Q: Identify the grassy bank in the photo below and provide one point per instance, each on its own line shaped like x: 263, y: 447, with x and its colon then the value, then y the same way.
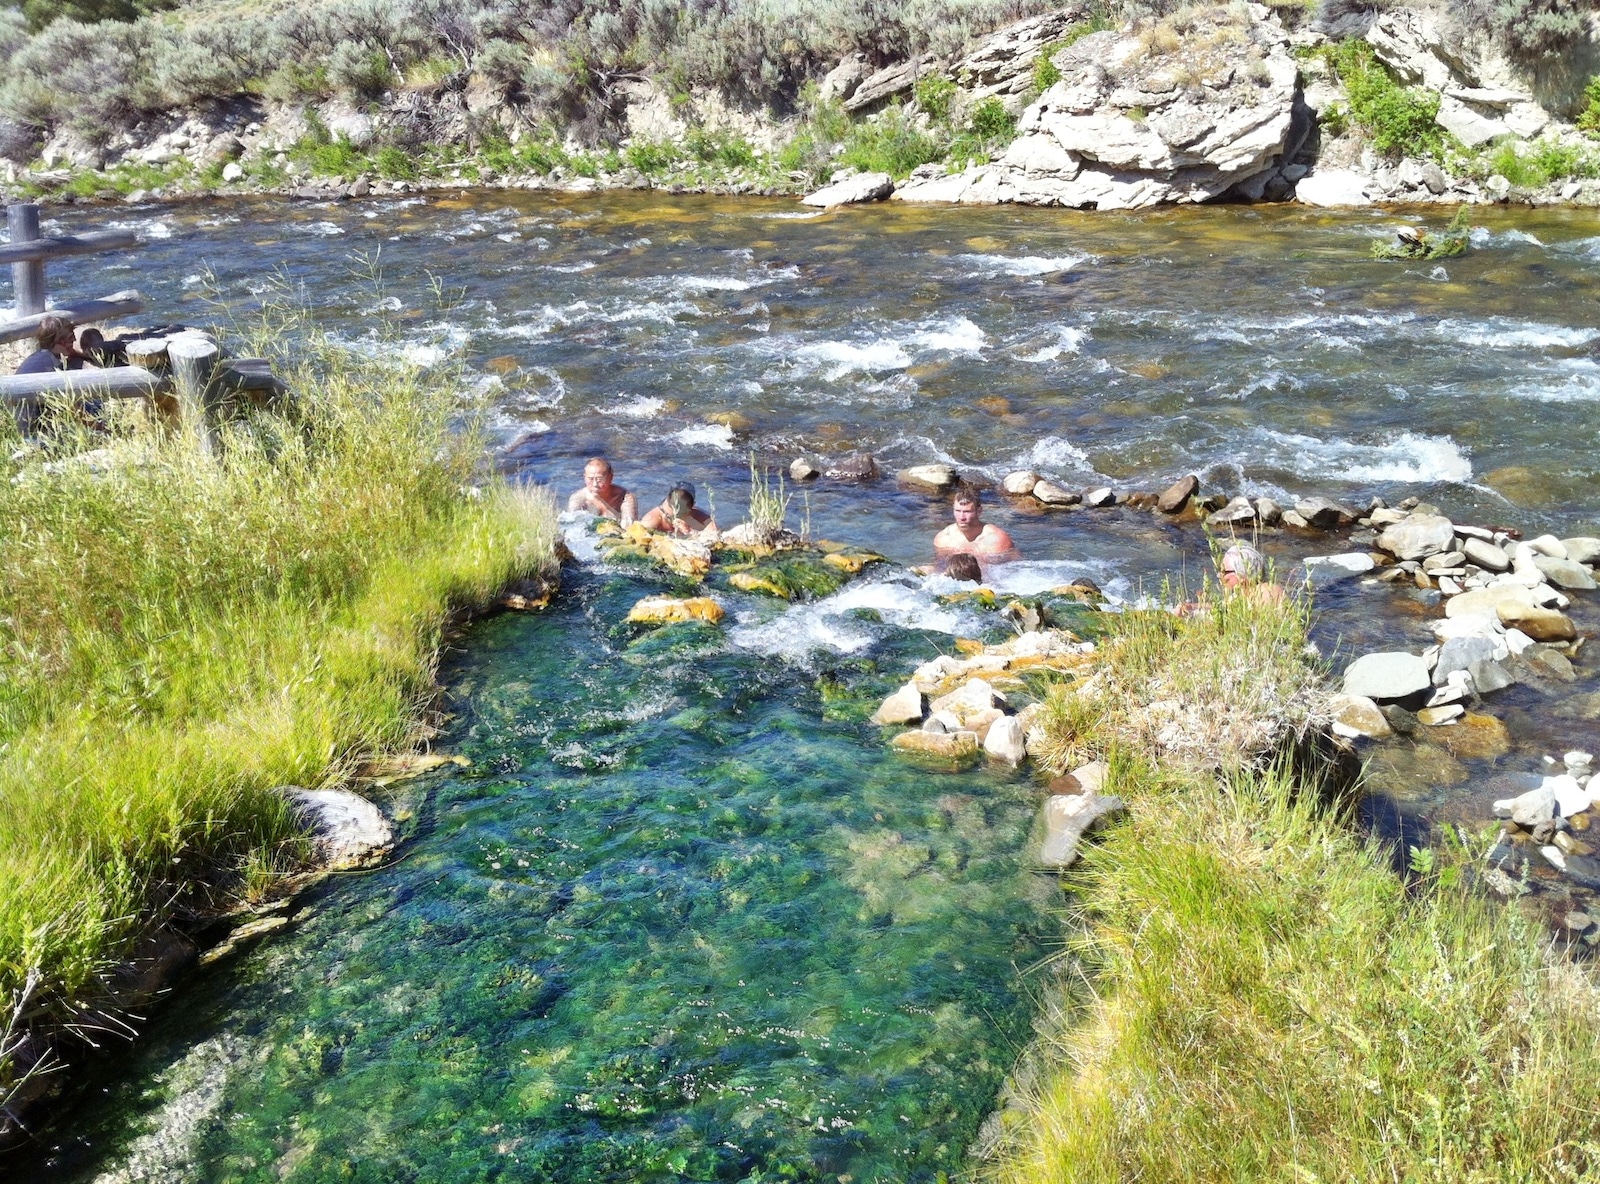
x: 1264, y: 997
x: 178, y: 636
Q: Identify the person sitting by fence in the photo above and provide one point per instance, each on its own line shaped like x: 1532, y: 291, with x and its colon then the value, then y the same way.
x: 56, y: 349
x: 677, y: 514
x: 94, y: 349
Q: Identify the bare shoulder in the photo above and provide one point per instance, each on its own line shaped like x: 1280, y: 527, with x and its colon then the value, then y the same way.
x: 998, y: 538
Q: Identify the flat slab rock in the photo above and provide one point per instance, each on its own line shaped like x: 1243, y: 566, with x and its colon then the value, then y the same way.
x: 1387, y: 677
x: 346, y: 830
x: 861, y: 187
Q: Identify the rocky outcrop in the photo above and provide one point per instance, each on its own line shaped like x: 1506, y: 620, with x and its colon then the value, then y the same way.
x: 1001, y: 65
x: 851, y: 188
x: 1150, y: 115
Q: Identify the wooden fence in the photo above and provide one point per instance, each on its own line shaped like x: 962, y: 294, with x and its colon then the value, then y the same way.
x: 187, y: 364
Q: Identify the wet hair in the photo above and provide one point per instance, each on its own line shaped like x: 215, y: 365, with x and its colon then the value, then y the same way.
x: 966, y: 495
x: 963, y: 566
x: 597, y: 460
x: 1243, y: 560
x: 680, y: 501
x: 50, y: 328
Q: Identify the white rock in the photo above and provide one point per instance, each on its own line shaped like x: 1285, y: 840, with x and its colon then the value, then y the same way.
x: 1531, y: 808
x: 1005, y: 740
x: 1554, y: 856
x: 1467, y: 124
x: 1021, y: 483
x: 1066, y: 818
x: 902, y: 707
x: 1547, y: 544
x: 346, y: 830
x: 862, y: 187
x: 232, y: 171
x: 1578, y: 760
x: 1333, y: 187
x: 1517, y: 641
x: 1569, y: 795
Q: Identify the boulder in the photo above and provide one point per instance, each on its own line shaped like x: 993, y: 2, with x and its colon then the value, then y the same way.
x: 347, y: 831
x: 1324, y: 513
x: 1564, y: 573
x: 232, y: 172
x: 969, y: 700
x: 1485, y: 555
x: 1490, y: 600
x: 1584, y: 549
x: 1333, y: 187
x: 1239, y: 509
x: 1178, y: 494
x: 1005, y: 740
x: 857, y: 466
x: 1327, y: 569
x: 956, y: 749
x: 902, y: 707
x: 1120, y: 131
x: 1541, y: 624
x: 1066, y: 818
x: 1097, y: 498
x: 1529, y: 809
x: 800, y: 469
x: 895, y: 79
x: 1387, y: 676
x: 861, y: 187
x: 1357, y: 715
x: 1459, y: 653
x: 935, y: 478
x: 1268, y: 511
x: 1052, y: 494
x: 1418, y: 536
x: 1489, y: 675
x: 669, y: 610
x: 842, y: 82
x: 1020, y: 484
x: 1434, y: 717
x: 1548, y: 545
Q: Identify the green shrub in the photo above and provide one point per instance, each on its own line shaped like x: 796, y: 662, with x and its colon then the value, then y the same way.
x: 1045, y: 73
x: 1536, y: 165
x: 934, y: 94
x: 890, y: 144
x: 991, y: 121
x: 1399, y: 121
x: 360, y: 71
x: 394, y: 164
x: 651, y: 157
x: 720, y: 148
x: 1589, y: 117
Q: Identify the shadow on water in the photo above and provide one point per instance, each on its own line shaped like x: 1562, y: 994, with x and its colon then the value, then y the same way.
x: 682, y: 918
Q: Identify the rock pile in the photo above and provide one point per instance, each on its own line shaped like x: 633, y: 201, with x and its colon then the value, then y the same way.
x: 1549, y: 822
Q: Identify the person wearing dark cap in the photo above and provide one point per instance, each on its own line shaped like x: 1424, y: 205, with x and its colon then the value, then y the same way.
x: 677, y: 514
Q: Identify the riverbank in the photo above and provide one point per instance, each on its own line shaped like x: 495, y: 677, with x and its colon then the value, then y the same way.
x: 1088, y: 106
x: 1252, y: 987
x: 183, y: 637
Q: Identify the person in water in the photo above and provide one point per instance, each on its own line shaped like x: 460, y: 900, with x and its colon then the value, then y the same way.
x: 677, y: 514
x: 970, y: 534
x: 963, y: 566
x: 1242, y: 571
x: 601, y: 496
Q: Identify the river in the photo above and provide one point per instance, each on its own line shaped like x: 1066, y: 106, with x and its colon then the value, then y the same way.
x: 681, y: 917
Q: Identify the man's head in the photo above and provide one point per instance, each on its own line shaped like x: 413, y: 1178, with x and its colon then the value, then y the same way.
x: 963, y: 566
x: 966, y: 508
x: 1241, y: 564
x: 597, y: 475
x: 680, y: 501
x: 54, y: 334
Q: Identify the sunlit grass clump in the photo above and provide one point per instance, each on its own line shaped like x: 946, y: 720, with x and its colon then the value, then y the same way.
x: 180, y: 635
x: 1265, y: 998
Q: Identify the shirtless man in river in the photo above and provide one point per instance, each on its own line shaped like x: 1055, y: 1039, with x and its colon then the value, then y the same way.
x: 600, y: 497
x: 971, y: 535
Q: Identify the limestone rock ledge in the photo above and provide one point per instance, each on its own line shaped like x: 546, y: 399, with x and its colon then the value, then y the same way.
x: 1140, y: 118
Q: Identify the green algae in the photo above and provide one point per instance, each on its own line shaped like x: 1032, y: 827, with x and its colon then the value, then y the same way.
x: 683, y: 918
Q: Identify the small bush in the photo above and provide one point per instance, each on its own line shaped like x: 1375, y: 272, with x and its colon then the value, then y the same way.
x: 1535, y: 166
x: 891, y: 144
x: 991, y: 121
x: 1400, y: 121
x: 934, y: 94
x: 1589, y: 117
x: 360, y: 71
x: 650, y: 157
x: 393, y: 164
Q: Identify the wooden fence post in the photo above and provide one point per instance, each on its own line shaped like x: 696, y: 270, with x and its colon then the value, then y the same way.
x: 27, y: 277
x: 193, y: 360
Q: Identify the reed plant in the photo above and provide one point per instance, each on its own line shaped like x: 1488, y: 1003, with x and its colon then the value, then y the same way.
x: 180, y: 635
x: 1260, y: 994
x: 769, y: 505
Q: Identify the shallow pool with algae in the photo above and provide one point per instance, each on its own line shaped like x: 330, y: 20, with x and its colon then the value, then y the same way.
x: 682, y: 919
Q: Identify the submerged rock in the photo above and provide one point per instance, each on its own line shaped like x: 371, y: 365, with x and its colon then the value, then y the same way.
x: 1357, y: 715
x: 956, y: 749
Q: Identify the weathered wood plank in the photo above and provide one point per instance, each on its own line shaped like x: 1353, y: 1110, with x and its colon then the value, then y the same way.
x: 60, y: 246
x: 27, y: 274
x: 118, y: 304
x: 118, y: 382
x: 193, y: 360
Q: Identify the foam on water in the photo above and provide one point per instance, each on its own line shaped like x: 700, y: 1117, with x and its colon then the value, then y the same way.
x: 1482, y: 236
x: 708, y: 283
x: 705, y: 435
x: 643, y: 407
x: 1029, y: 577
x: 1571, y: 380
x: 1026, y: 265
x: 323, y: 229
x: 1069, y: 340
x: 1506, y: 333
x: 802, y: 630
x: 570, y: 268
x: 837, y: 358
x: 1052, y: 454
x: 957, y: 335
x: 1408, y: 456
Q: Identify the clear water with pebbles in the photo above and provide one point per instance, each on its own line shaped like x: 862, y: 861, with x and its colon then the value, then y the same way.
x: 683, y: 918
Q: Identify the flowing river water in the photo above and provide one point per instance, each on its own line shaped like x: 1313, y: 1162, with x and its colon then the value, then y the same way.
x: 682, y: 917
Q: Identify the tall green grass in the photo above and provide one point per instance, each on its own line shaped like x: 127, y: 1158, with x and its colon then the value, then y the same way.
x: 1262, y: 997
x: 180, y: 635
